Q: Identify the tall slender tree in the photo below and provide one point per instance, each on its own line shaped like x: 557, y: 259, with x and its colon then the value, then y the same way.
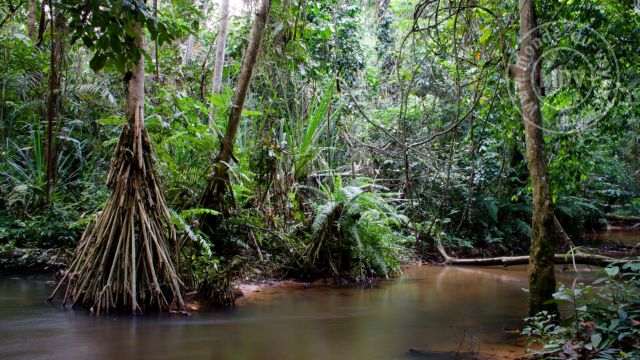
x: 214, y: 194
x: 53, y: 97
x: 542, y: 282
x: 221, y: 45
x: 31, y: 20
x: 42, y: 23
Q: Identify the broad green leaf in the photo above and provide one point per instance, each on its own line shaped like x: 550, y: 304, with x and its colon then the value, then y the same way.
x: 612, y: 271
x: 596, y: 339
x: 98, y: 61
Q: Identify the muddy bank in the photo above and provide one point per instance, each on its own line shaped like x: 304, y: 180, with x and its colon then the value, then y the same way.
x: 255, y: 290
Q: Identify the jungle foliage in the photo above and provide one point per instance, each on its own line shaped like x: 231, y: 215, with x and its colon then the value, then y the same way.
x: 371, y: 128
x: 602, y: 321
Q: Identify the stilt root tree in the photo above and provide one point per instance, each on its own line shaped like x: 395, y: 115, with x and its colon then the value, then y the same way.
x: 124, y: 260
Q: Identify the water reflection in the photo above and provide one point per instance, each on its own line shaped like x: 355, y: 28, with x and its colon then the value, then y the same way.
x: 430, y: 309
x: 623, y: 237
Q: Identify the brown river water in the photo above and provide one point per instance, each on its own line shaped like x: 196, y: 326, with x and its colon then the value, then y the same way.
x: 431, y: 312
x: 622, y: 237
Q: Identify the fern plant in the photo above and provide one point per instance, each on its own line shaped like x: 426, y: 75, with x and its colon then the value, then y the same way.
x: 356, y: 232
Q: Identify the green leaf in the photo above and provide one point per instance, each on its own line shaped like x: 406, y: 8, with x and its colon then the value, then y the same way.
x: 614, y: 324
x: 492, y: 209
x: 612, y: 271
x: 596, y: 339
x: 633, y: 266
x: 486, y: 33
x: 97, y: 62
x: 198, y: 211
x: 599, y: 280
x: 251, y: 113
x: 622, y: 314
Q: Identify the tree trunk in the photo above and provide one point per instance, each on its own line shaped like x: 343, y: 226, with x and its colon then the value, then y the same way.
x: 384, y: 45
x: 42, y: 24
x: 186, y: 58
x: 3, y: 92
x: 191, y: 39
x: 125, y: 259
x: 221, y: 45
x: 214, y: 195
x: 542, y: 283
x: 31, y: 20
x: 53, y: 97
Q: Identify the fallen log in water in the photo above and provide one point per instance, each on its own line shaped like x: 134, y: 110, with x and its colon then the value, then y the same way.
x: 573, y: 258
x: 622, y: 218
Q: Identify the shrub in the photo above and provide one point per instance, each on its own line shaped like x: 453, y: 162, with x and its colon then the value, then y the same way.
x: 356, y: 232
x: 604, y: 323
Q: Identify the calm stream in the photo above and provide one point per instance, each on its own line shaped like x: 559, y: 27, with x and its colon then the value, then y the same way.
x: 430, y: 309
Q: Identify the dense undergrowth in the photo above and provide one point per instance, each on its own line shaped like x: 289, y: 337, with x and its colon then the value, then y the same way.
x: 601, y: 320
x: 353, y: 153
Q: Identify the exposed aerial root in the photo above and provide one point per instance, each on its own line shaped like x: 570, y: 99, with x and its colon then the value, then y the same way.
x: 124, y: 259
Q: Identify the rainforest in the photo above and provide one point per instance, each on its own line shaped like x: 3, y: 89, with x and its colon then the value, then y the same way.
x: 330, y: 179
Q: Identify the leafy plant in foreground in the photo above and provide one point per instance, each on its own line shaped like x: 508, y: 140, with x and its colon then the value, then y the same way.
x: 604, y: 322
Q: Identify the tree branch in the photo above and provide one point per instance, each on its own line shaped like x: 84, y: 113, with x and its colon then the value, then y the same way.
x: 12, y: 10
